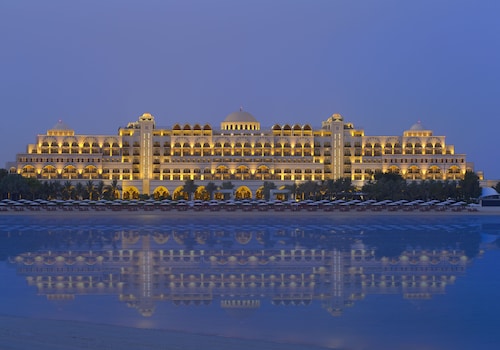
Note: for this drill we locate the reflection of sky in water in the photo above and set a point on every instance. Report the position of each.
(462, 314)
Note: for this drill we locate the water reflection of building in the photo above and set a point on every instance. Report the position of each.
(240, 270)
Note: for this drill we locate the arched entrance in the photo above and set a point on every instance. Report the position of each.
(130, 192)
(160, 193)
(179, 193)
(201, 193)
(259, 194)
(243, 192)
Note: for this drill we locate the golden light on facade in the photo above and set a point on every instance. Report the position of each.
(120, 156)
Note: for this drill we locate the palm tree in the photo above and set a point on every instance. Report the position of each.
(211, 188)
(469, 186)
(339, 187)
(267, 187)
(33, 186)
(227, 185)
(190, 187)
(44, 190)
(56, 189)
(113, 190)
(67, 190)
(386, 186)
(100, 189)
(497, 187)
(90, 189)
(79, 191)
(308, 189)
(14, 186)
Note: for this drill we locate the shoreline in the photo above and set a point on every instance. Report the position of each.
(481, 211)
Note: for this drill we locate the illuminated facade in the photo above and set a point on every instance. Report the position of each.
(148, 159)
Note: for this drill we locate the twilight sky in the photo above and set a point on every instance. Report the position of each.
(383, 65)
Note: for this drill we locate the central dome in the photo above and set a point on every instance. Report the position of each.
(240, 116)
(61, 126)
(61, 129)
(240, 120)
(417, 126)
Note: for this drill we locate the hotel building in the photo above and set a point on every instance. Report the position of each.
(148, 159)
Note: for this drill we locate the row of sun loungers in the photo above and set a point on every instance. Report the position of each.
(231, 205)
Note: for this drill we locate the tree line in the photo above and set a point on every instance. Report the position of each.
(14, 186)
(395, 187)
(384, 186)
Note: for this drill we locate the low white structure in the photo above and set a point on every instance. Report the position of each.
(489, 197)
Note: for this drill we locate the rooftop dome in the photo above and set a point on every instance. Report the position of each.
(337, 116)
(60, 126)
(417, 126)
(240, 116)
(147, 116)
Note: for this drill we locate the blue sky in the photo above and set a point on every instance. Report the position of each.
(383, 65)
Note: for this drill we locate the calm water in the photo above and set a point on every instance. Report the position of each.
(369, 283)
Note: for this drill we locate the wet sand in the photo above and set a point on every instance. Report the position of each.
(237, 214)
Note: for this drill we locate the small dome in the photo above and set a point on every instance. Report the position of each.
(417, 126)
(60, 126)
(147, 116)
(240, 117)
(337, 116)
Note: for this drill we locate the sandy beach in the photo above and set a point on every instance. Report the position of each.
(240, 214)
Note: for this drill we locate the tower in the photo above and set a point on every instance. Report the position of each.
(146, 126)
(336, 125)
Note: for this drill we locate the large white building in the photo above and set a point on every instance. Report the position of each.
(148, 159)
